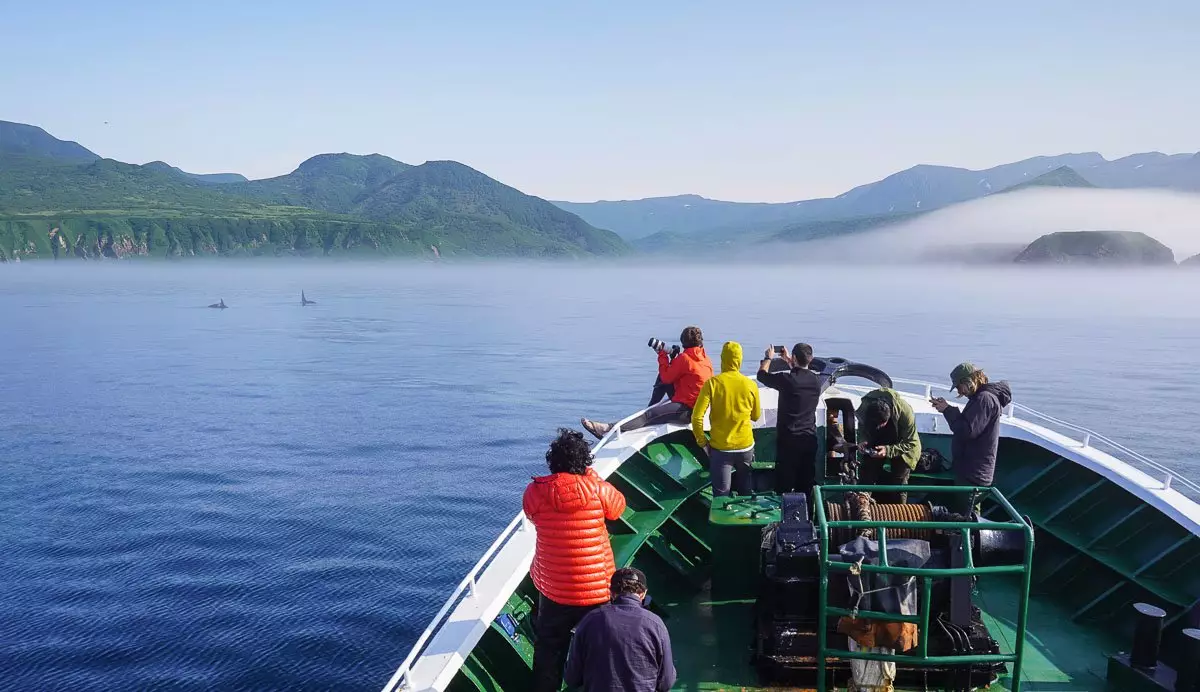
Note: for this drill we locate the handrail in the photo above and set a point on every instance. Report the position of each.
(1089, 436)
(926, 575)
(399, 681)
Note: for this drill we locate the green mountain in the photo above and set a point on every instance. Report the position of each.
(21, 140)
(333, 204)
(216, 178)
(1096, 247)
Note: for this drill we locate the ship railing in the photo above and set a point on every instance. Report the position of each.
(400, 679)
(1081, 435)
(926, 576)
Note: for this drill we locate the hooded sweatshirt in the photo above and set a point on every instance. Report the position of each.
(734, 401)
(573, 561)
(687, 373)
(977, 433)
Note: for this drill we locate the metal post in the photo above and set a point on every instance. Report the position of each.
(822, 588)
(1147, 636)
(926, 606)
(1026, 578)
(1189, 671)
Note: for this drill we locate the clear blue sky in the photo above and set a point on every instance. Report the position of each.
(609, 100)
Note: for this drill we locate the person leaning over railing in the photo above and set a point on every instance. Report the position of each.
(889, 441)
(622, 647)
(573, 559)
(686, 374)
(976, 430)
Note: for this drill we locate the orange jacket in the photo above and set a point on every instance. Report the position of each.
(573, 562)
(688, 372)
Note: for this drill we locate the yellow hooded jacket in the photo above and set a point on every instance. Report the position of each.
(734, 401)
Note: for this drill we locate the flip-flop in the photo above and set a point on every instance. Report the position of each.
(591, 427)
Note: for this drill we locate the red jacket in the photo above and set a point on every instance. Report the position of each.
(573, 562)
(688, 372)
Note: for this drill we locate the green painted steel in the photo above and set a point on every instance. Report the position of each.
(1013, 522)
(1100, 549)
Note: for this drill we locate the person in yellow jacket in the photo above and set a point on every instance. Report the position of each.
(733, 398)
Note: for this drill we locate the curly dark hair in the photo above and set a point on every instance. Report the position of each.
(569, 453)
(691, 337)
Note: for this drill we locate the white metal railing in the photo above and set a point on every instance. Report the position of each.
(399, 681)
(1089, 437)
(466, 587)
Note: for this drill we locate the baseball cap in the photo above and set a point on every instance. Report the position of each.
(961, 372)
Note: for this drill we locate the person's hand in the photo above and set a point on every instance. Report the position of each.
(873, 452)
(939, 403)
(770, 353)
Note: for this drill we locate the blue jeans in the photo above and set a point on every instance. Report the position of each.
(721, 466)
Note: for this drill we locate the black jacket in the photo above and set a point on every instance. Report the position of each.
(977, 433)
(621, 647)
(799, 393)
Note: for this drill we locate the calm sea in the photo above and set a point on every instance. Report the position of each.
(278, 497)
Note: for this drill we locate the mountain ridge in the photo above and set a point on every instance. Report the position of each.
(919, 188)
(54, 199)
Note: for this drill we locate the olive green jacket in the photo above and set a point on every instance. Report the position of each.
(899, 438)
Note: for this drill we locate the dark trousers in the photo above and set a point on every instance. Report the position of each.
(670, 412)
(872, 472)
(796, 464)
(731, 469)
(962, 503)
(553, 629)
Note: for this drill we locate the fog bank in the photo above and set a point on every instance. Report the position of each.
(1012, 220)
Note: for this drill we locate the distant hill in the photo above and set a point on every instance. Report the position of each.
(331, 204)
(443, 196)
(215, 178)
(329, 182)
(1096, 247)
(18, 139)
(917, 189)
(1193, 261)
(1063, 176)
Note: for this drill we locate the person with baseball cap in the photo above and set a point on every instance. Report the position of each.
(976, 429)
(622, 646)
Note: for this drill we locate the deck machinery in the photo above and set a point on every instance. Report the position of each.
(901, 579)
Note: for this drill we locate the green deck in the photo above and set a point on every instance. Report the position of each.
(1098, 551)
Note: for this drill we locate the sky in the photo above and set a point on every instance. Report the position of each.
(765, 101)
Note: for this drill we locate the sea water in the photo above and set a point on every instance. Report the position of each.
(279, 497)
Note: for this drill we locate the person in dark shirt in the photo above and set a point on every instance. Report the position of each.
(622, 646)
(796, 425)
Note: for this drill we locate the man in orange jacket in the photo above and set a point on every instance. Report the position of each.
(687, 373)
(573, 560)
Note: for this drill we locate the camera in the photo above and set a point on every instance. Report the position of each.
(656, 344)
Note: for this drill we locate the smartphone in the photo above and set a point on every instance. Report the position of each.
(780, 350)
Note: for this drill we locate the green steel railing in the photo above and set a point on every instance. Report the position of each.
(926, 576)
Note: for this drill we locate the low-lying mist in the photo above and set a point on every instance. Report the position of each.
(1000, 225)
